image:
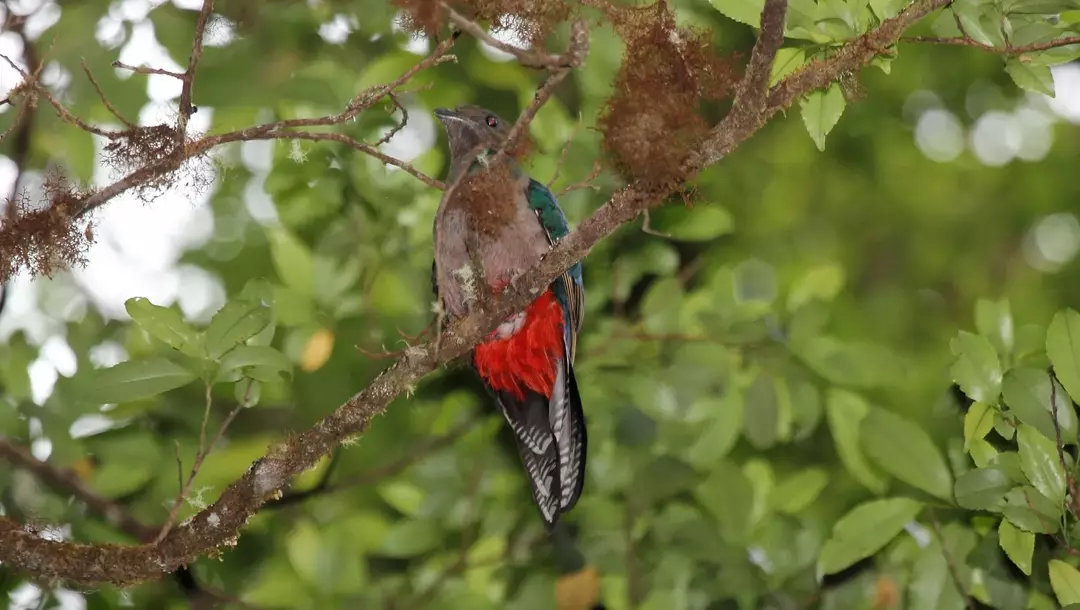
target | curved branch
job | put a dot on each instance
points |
(219, 524)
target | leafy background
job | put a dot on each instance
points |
(766, 373)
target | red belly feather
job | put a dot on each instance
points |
(527, 358)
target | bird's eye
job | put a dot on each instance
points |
(492, 121)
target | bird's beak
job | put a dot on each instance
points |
(445, 114)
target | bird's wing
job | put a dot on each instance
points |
(569, 286)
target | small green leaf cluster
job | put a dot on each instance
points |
(233, 348)
(1016, 432)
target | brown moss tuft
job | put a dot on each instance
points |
(141, 147)
(533, 20)
(491, 198)
(44, 238)
(652, 120)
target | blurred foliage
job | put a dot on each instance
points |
(765, 373)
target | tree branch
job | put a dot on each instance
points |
(967, 41)
(220, 523)
(66, 481)
(69, 483)
(186, 109)
(755, 85)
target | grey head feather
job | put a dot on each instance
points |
(473, 132)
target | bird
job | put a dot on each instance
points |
(495, 215)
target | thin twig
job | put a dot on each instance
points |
(1069, 478)
(634, 591)
(967, 41)
(562, 154)
(148, 70)
(278, 130)
(204, 450)
(950, 562)
(525, 57)
(573, 57)
(646, 227)
(401, 124)
(65, 115)
(258, 133)
(586, 182)
(105, 100)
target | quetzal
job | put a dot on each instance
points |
(506, 221)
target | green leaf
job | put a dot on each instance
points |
(993, 319)
(977, 369)
(981, 20)
(1004, 426)
(904, 450)
(303, 546)
(982, 453)
(1029, 510)
(698, 223)
(663, 477)
(15, 359)
(762, 413)
(293, 261)
(127, 463)
(821, 110)
(1030, 76)
(136, 379)
(729, 497)
(411, 538)
(721, 433)
(845, 412)
(1017, 544)
(1063, 348)
(864, 530)
(233, 324)
(1027, 393)
(1040, 462)
(787, 61)
(634, 428)
(1065, 581)
(799, 491)
(743, 11)
(166, 325)
(978, 422)
(982, 488)
(403, 496)
(886, 9)
(849, 363)
(259, 356)
(822, 283)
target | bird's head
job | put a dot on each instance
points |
(472, 131)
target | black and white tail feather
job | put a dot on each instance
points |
(551, 441)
